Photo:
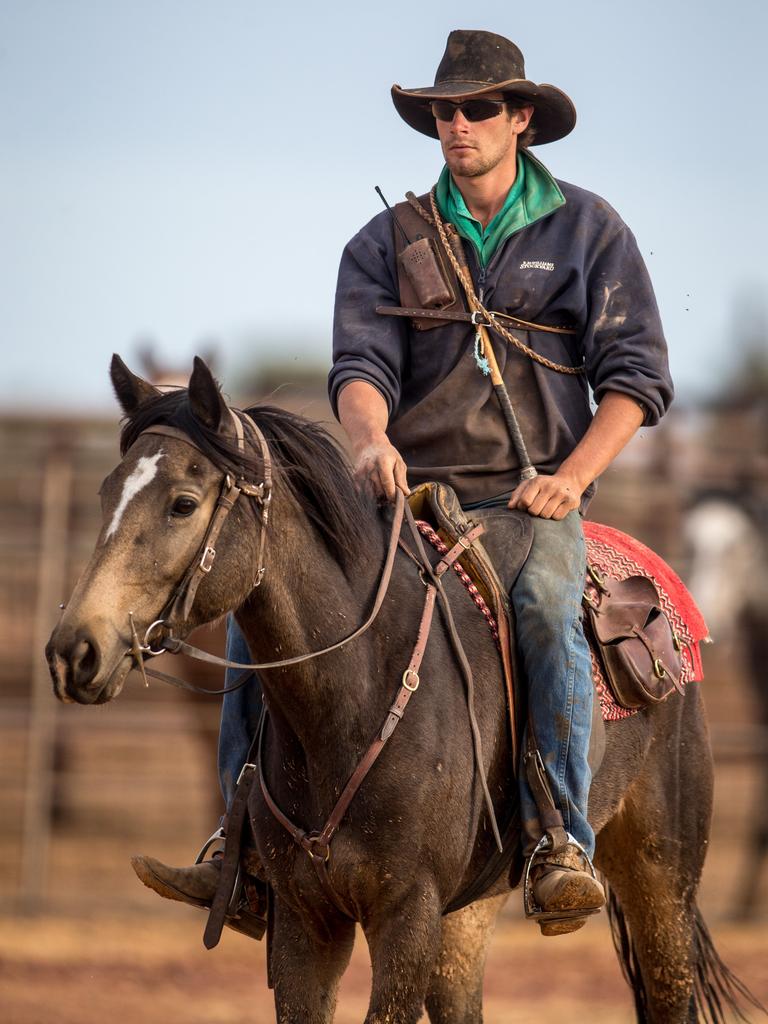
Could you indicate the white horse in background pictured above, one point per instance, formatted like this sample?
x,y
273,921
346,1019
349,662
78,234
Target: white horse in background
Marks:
x,y
728,577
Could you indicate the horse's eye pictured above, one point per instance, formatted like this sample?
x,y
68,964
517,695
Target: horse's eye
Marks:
x,y
184,506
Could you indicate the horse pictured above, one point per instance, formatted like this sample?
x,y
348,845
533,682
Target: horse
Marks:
x,y
728,574
418,831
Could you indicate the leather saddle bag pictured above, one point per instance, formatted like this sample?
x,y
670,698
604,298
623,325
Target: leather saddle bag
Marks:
x,y
637,645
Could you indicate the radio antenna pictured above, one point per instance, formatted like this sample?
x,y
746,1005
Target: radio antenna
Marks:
x,y
395,221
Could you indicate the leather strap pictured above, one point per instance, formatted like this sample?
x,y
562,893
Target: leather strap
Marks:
x,y
466,670
317,844
176,646
231,859
550,818
471,318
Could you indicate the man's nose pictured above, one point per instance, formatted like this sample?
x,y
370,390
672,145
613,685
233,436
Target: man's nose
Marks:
x,y
458,120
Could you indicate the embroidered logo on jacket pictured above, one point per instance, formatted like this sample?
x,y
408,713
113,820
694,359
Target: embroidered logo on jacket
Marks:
x,y
537,265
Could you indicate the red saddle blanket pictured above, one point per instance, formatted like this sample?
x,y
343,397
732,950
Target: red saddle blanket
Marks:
x,y
620,556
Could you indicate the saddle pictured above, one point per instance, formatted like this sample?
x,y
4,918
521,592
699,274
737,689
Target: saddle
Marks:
x,y
644,629
492,565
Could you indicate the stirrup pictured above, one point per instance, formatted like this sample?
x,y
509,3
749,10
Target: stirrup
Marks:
x,y
213,838
532,909
239,914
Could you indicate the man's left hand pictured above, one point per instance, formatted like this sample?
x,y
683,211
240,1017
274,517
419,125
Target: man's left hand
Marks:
x,y
548,497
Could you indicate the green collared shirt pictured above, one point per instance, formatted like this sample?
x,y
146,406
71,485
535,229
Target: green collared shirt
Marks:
x,y
534,194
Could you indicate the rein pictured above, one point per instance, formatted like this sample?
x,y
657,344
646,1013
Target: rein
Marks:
x,y
314,843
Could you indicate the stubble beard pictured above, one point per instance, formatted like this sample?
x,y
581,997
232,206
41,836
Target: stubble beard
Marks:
x,y
478,164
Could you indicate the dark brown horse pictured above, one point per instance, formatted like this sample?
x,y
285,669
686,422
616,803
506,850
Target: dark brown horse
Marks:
x,y
417,832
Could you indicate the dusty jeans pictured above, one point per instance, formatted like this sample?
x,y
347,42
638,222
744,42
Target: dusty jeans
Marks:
x,y
547,603
555,655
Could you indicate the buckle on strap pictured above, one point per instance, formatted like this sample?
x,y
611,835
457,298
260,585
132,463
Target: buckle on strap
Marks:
x,y
206,562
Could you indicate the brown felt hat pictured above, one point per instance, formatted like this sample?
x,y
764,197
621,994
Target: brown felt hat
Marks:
x,y
478,62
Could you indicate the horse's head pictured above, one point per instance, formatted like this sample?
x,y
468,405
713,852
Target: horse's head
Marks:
x,y
157,507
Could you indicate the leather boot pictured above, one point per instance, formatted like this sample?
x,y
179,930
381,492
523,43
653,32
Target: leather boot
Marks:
x,y
196,885
561,884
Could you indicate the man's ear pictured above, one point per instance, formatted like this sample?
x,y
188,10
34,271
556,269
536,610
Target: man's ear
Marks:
x,y
206,401
131,391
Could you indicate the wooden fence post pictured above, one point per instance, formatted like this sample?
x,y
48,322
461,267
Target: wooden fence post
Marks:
x,y
51,581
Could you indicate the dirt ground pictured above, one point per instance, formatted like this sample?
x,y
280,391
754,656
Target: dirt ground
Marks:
x,y
105,949
144,969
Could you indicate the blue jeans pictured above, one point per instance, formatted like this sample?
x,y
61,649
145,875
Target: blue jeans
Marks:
x,y
546,599
240,712
547,602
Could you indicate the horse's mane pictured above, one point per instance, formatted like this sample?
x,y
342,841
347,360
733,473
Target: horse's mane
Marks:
x,y
308,460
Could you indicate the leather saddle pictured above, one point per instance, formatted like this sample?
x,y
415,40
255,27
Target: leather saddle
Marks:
x,y
492,564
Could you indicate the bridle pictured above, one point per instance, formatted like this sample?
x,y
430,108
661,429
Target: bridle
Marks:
x,y
180,603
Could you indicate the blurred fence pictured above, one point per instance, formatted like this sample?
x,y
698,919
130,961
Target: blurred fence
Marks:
x,y
79,787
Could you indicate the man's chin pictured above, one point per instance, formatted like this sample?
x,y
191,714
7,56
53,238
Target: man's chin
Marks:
x,y
465,165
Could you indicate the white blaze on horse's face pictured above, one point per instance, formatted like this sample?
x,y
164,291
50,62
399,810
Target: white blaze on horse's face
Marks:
x,y
143,474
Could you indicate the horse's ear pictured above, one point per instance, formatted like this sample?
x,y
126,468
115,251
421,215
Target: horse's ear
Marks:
x,y
131,391
205,398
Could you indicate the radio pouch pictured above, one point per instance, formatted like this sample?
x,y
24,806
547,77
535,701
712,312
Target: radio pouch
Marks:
x,y
426,279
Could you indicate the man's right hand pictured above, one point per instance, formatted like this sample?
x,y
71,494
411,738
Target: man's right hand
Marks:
x,y
378,465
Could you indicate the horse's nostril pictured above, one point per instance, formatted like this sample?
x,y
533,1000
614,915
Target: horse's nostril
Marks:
x,y
84,661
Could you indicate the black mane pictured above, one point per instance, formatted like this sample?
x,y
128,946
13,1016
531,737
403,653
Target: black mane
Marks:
x,y
306,457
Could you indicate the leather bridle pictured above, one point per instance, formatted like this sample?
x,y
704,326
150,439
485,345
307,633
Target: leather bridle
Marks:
x,y
181,600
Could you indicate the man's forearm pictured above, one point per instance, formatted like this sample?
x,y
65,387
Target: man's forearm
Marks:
x,y
364,414
552,497
615,422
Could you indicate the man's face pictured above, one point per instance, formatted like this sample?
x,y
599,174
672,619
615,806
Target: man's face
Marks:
x,y
473,148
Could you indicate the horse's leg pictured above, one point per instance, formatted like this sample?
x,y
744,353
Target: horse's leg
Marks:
x,y
307,967
455,994
404,943
652,853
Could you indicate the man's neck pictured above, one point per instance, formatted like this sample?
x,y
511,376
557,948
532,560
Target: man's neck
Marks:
x,y
486,193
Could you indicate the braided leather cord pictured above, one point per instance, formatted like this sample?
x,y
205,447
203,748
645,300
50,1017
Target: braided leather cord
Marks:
x,y
436,221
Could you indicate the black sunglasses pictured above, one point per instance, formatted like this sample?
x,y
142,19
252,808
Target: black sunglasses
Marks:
x,y
472,110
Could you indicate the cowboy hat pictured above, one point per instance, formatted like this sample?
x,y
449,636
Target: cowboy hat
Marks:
x,y
475,63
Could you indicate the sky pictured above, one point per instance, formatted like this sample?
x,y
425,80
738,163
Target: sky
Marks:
x,y
188,171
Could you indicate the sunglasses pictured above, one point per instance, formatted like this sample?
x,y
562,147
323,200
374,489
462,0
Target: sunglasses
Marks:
x,y
472,110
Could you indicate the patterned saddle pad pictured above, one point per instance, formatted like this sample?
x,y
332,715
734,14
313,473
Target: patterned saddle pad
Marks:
x,y
620,556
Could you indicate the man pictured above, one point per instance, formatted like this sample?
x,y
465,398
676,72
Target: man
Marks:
x,y
559,264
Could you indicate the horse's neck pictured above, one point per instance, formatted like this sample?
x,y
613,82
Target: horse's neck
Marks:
x,y
308,601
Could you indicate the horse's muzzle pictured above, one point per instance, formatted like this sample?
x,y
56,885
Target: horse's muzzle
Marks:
x,y
76,665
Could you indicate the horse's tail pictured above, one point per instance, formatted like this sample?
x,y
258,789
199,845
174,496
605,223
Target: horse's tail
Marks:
x,y
716,988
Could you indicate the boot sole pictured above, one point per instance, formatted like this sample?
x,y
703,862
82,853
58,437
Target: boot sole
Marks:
x,y
562,927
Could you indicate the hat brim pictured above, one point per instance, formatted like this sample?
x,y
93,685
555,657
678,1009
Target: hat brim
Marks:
x,y
554,113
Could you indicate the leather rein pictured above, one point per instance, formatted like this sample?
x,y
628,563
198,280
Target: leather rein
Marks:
x,y
315,843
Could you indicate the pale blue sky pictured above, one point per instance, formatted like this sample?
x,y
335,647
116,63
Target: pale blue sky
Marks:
x,y
188,170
